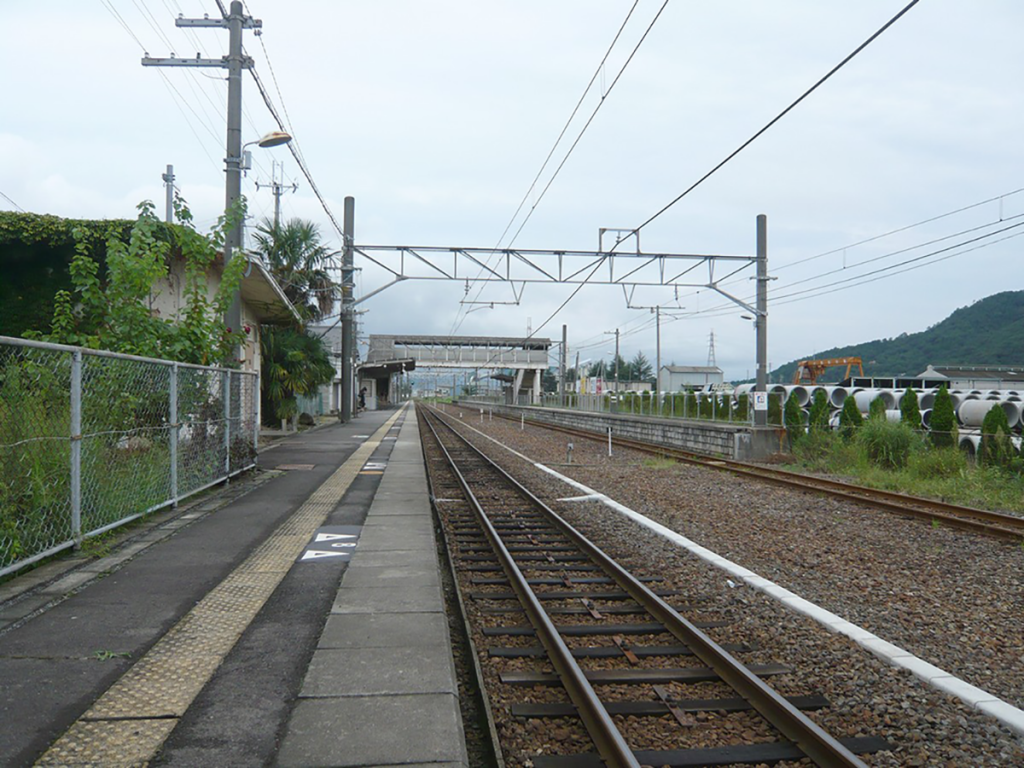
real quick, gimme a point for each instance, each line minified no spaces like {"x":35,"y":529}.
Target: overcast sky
{"x":437,"y":117}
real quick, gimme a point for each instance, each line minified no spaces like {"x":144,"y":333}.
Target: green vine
{"x":114,"y":313}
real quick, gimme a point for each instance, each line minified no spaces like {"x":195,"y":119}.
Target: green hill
{"x":988,"y":332}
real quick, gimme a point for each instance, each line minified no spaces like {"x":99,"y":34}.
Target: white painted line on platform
{"x":1007,"y":714}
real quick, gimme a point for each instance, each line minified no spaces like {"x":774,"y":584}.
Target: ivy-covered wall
{"x":35,"y":251}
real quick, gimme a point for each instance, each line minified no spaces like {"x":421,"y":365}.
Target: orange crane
{"x":808,"y":371}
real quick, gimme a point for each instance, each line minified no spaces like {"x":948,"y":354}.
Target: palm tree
{"x":294,"y":362}
{"x":298,"y":260}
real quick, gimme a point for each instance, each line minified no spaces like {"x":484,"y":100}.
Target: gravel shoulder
{"x":954,"y":599}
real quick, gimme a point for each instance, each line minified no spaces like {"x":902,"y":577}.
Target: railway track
{"x":937,"y":512}
{"x":606,"y":653}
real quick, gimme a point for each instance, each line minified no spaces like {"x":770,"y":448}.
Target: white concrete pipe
{"x":969,"y":444}
{"x":972,"y":412}
{"x":893,"y":416}
{"x":927,"y":400}
{"x":926,"y":418}
{"x":743,"y":389}
{"x":837,"y":396}
{"x":803,"y":397}
{"x":864,"y":398}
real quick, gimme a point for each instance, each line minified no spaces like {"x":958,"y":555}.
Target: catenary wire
{"x":782,"y":114}
{"x":551,"y":152}
{"x":583,"y":130}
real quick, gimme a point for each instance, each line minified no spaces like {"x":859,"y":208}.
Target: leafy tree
{"x":818,"y":421}
{"x":115,"y":315}
{"x":910,"y":412}
{"x":943,"y":420}
{"x":793,"y":415}
{"x":849,"y":418}
{"x":641,"y":368}
{"x":996,"y":448}
{"x":298,"y":260}
{"x":549,"y":380}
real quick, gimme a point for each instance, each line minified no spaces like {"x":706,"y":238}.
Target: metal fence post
{"x":76,"y":447}
{"x":227,"y":422}
{"x":255,"y":379}
{"x":173,"y":437}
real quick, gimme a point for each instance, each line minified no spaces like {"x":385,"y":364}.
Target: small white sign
{"x":333,"y":537}
{"x":316,"y":554}
{"x":760,"y":401}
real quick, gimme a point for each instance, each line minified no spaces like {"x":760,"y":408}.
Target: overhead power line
{"x":5,"y":197}
{"x":782,"y":114}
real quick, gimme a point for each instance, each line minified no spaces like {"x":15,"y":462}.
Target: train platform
{"x":245,"y":628}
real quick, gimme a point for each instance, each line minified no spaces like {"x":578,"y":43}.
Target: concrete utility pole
{"x":761,"y":318}
{"x":347,"y":316}
{"x":561,"y":367}
{"x":235,"y":21}
{"x":169,"y":187}
{"x":657,"y":364}
{"x":616,"y":360}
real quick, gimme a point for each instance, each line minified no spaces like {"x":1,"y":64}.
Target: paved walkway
{"x":381,"y":688}
{"x":201,"y":640}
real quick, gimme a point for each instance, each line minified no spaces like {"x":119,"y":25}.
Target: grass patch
{"x":939,"y":473}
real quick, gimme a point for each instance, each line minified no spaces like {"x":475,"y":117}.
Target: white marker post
{"x":609,"y":442}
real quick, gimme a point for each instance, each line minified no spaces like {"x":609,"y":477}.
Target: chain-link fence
{"x":91,"y":440}
{"x":706,"y":406}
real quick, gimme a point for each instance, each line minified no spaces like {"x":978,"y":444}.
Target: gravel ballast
{"x":953,"y":599}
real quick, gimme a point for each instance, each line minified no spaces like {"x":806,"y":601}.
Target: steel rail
{"x":817,"y":744}
{"x":610,"y":743}
{"x":968,"y":518}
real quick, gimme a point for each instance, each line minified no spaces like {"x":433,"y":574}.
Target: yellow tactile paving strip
{"x":127,"y":725}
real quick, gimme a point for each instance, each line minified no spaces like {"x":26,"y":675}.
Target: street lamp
{"x":233,"y":238}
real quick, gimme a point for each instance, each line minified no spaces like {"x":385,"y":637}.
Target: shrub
{"x":877,"y":409}
{"x":910,"y":411}
{"x":818,"y":421}
{"x":886,"y":443}
{"x":943,"y":422}
{"x":794,"y":417}
{"x":775,"y":409}
{"x":691,"y":406}
{"x":850,"y":419}
{"x":995,"y":449}
{"x":706,"y":409}
{"x":742,"y":410}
